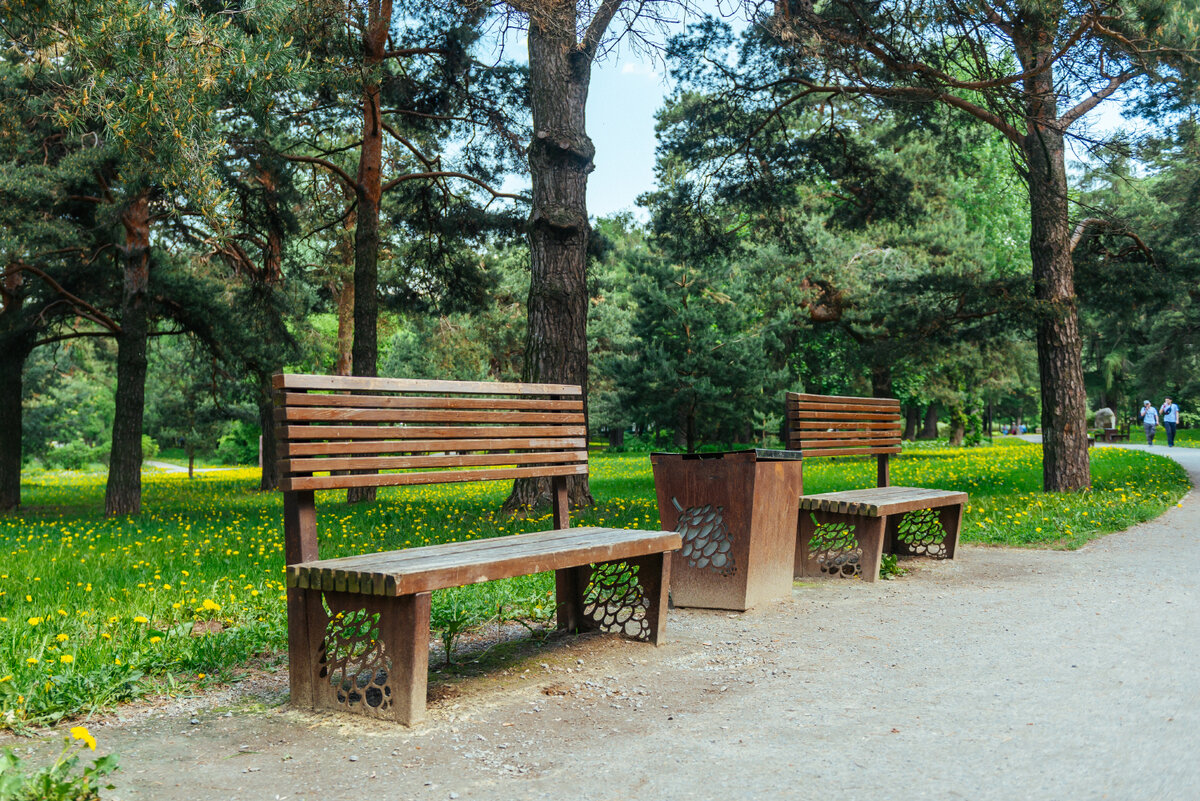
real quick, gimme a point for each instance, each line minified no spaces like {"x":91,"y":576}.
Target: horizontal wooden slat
{"x":428,"y":432}
{"x":797,"y":406}
{"x":815,"y":452}
{"x":857,"y":433}
{"x":806,"y":398}
{"x":837,"y":416}
{"x":295,"y":449}
{"x":463,"y":416}
{"x":842,"y":425}
{"x":351,"y":383}
{"x":317,"y":465}
{"x":425,"y":402}
{"x":809,"y":445}
{"x":439,"y":477}
{"x":455,"y":564}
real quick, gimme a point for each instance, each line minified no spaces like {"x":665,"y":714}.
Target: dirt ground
{"x":1004,"y":674}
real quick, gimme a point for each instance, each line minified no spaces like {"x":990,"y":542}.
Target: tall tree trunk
{"x":266,"y":421}
{"x":1065,"y":464}
{"x":560,"y":158}
{"x":365,"y":352}
{"x":957,"y":427}
{"x":881,"y":381}
{"x":344,"y":295}
{"x":12,"y":364}
{"x":929,"y":429}
{"x":123,"y":494}
{"x":911,"y":415}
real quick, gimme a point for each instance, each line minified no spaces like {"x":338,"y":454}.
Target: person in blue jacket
{"x":1170,"y":419}
{"x":1149,"y":418}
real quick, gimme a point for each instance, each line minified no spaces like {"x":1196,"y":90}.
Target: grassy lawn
{"x":96,"y":611}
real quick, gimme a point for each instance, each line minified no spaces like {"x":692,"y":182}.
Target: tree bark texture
{"x":123,"y":493}
{"x":344,"y":293}
{"x":12,"y":365}
{"x":369,"y":190}
{"x":929,"y":429}
{"x":881,"y":381}
{"x":266,"y":421}
{"x":560,"y":158}
{"x":1065,"y":465}
{"x":911,"y":415}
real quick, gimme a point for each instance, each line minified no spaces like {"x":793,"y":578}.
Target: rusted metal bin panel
{"x":736,"y":512}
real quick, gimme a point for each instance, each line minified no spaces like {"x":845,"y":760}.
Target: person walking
{"x":1149,"y":418}
{"x":1170,"y":419}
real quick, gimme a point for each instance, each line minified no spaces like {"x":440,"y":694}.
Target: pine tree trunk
{"x":881,"y":381}
{"x":929,"y":429}
{"x":365,"y":351}
{"x":957,"y":429}
{"x":12,"y":365}
{"x":266,"y":421}
{"x":344,"y":293}
{"x":123,"y":494}
{"x":1065,"y":464}
{"x":560,"y":158}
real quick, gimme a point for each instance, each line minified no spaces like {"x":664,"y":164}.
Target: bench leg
{"x":951,"y":519}
{"x":625,"y":597}
{"x":931,"y":532}
{"x":369,"y":654}
{"x":870,"y":539}
{"x":835,"y":544}
{"x":654,"y":571}
{"x":302,"y":650}
{"x":570,"y":586}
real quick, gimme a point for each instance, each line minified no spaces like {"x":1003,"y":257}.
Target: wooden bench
{"x":846,"y":533}
{"x":358,"y":626}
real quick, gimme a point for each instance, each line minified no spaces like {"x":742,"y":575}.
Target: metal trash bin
{"x":736,"y":512}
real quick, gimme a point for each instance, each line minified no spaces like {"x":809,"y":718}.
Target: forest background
{"x":195,"y":196}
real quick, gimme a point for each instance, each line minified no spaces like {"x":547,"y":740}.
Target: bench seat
{"x":880,"y":501}
{"x":454,"y":564}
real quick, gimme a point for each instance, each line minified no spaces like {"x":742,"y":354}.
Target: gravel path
{"x":1005,"y":674}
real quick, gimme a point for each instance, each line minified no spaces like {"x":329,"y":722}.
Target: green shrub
{"x":240,"y":445}
{"x":71,"y":456}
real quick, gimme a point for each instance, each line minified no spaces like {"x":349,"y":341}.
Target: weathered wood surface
{"x":834,"y":425}
{"x":346,"y":383}
{"x":439,"y":430}
{"x":414,"y":570}
{"x":881,"y":501}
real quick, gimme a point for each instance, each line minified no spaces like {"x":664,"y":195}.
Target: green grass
{"x":96,"y":611}
{"x":1187,"y":437}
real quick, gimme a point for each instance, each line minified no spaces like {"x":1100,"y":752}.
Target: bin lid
{"x":755,"y":454}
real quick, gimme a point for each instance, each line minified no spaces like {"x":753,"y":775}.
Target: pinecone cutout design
{"x":706,"y":540}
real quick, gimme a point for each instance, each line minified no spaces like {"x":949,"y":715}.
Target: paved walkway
{"x":1005,"y":674}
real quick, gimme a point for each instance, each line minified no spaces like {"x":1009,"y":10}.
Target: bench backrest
{"x":838,"y":425}
{"x":442,"y":431}
{"x":434,"y":431}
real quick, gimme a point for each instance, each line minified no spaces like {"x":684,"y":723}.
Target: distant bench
{"x":358,"y":626}
{"x":846,"y":533}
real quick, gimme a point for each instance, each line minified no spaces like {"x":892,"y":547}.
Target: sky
{"x":624,"y":97}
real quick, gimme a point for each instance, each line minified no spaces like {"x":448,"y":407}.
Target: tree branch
{"x":597,"y":27}
{"x":1089,"y":103}
{"x":444,"y":174}
{"x":329,"y":165}
{"x":92,"y":311}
